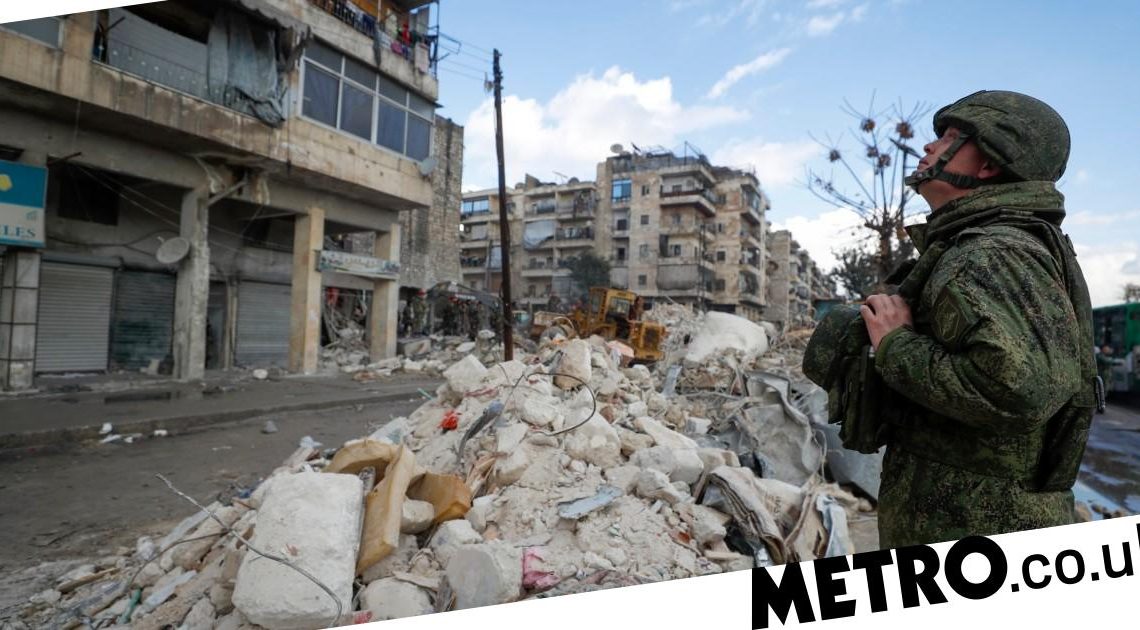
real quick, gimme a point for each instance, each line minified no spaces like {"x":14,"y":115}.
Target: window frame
{"x":343,"y":78}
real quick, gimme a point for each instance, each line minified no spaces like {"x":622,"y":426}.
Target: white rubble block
{"x":505,"y":374}
{"x":200,"y":617}
{"x":413,"y":367}
{"x":480,"y":512}
{"x":393,"y":363}
{"x":657,"y":402}
{"x":698,"y":426}
{"x":416,"y":516}
{"x":680,"y":464}
{"x":485,"y":575}
{"x":452,"y":535}
{"x":512,"y":467}
{"x":465,"y":375}
{"x":714,"y":458}
{"x":662,"y":435}
{"x":623,"y":477}
{"x":638,"y":409}
{"x":540,"y":411}
{"x":575,"y":362}
{"x":654,"y":484}
{"x":595,"y":442}
{"x":508,"y":438}
{"x":632,"y":441}
{"x":705,"y":524}
{"x":390,"y":598}
{"x":466,"y":347}
{"x":725,"y":331}
{"x":314,"y":519}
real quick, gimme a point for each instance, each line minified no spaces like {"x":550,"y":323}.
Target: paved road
{"x":92,"y":497}
{"x":1111,"y":467}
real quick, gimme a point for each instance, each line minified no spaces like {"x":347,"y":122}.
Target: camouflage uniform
{"x":995,"y":353}
{"x":997,"y":371}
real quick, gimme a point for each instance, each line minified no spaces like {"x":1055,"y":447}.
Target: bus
{"x":1116,"y":331}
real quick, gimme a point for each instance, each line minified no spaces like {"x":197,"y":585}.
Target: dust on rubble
{"x":562,"y":471}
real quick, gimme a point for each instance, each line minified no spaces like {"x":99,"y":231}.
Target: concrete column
{"x":192,"y":293}
{"x":382,"y":316}
{"x":305,"y":316}
{"x":19,"y":301}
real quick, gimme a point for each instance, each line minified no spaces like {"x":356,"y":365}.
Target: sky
{"x":752,"y":82}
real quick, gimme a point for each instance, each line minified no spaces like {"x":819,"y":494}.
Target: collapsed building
{"x":559,"y":472}
{"x":202,"y":162}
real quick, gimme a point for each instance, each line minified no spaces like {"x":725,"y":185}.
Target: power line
{"x":463,"y":65}
{"x":463,"y":74}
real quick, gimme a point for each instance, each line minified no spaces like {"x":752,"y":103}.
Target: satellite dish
{"x":173,"y":250}
{"x":427,"y":167}
{"x":616,"y":148}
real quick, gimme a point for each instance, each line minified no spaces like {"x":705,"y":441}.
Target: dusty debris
{"x":562,"y":471}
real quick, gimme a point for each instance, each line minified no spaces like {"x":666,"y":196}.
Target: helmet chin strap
{"x":937,"y":171}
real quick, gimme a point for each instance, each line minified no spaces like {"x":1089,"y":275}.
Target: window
{"x":721,"y":256}
{"x":645,"y":191}
{"x":475,"y":206}
{"x":720,"y":228}
{"x":644,"y":251}
{"x":642,"y":280}
{"x":676,"y":250}
{"x":45,"y":30}
{"x":645,"y":219}
{"x":85,"y":195}
{"x":676,"y":219}
{"x":720,"y":284}
{"x":622,"y":190}
{"x":621,"y":253}
{"x":344,"y":93}
{"x":622,"y":225}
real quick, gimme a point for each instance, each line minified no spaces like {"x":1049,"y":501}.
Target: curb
{"x":60,"y":437}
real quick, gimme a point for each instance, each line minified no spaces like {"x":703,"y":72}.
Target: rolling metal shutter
{"x":263,"y":324}
{"x":143,"y":325}
{"x":75,"y":318}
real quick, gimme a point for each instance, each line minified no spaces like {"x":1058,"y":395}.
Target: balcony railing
{"x":573,"y":234}
{"x":708,"y":194}
{"x":362,"y":22}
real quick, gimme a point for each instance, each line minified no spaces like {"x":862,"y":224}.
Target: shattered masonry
{"x":709,"y":462}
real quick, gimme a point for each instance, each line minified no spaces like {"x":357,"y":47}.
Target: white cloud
{"x":820,"y":236}
{"x":765,"y":61}
{"x":824,"y":24}
{"x":573,"y":131}
{"x":824,"y":4}
{"x":748,"y":10}
{"x":858,"y":13}
{"x":1108,"y":269}
{"x":1094,"y":218}
{"x":776,"y":163}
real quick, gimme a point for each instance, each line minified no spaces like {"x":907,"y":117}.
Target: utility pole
{"x":504,"y":226}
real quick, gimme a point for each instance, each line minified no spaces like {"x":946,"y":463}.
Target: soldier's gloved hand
{"x":884,"y":313}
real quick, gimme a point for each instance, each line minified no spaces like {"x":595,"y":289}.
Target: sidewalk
{"x":58,"y":418}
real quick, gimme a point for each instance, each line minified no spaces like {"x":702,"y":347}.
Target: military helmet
{"x":1025,"y":137}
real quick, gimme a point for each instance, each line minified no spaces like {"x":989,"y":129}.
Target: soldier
{"x":989,"y":337}
{"x":419,"y":312}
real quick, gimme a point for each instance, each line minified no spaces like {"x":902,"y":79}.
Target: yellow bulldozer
{"x":612,"y":314}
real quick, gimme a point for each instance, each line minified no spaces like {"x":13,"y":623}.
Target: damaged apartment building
{"x":672,"y":226}
{"x":181,"y":182}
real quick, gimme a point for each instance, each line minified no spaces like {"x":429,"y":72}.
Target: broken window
{"x":676,"y":250}
{"x":720,"y":256}
{"x":83,"y":194}
{"x":644,"y":251}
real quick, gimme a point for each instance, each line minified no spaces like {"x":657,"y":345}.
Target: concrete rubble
{"x":513,"y":481}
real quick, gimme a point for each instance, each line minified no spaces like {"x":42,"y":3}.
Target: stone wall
{"x":429,"y":249}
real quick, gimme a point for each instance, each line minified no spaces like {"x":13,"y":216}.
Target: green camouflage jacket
{"x":999,"y":355}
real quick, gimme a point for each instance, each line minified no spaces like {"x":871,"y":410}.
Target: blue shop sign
{"x":23,"y":189}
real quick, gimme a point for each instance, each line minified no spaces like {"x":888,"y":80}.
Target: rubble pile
{"x":424,"y":355}
{"x":557,"y":472}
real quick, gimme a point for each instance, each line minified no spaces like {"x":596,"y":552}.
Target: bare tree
{"x":1132,"y":292}
{"x":878,"y":195}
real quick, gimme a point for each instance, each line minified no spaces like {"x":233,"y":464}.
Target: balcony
{"x":571,"y":236}
{"x":544,"y":207}
{"x":621,"y":228}
{"x":703,"y":199}
{"x":684,"y":228}
{"x":619,"y":262}
{"x":537,"y":269}
{"x":415,"y":48}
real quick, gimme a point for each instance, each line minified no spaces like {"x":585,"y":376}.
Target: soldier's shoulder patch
{"x":952,"y":317}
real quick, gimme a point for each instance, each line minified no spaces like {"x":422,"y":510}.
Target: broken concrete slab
{"x":452,"y":535}
{"x":485,"y":575}
{"x":680,"y":464}
{"x":595,"y":442}
{"x":315,"y":518}
{"x":575,"y":364}
{"x":466,"y":375}
{"x":390,"y":598}
{"x":662,"y":435}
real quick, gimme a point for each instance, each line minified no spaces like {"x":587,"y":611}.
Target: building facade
{"x":673,"y":227}
{"x":196,"y":157}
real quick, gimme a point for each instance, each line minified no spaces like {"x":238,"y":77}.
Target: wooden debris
{"x":360,"y":454}
{"x":384,"y":509}
{"x":448,"y":493}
